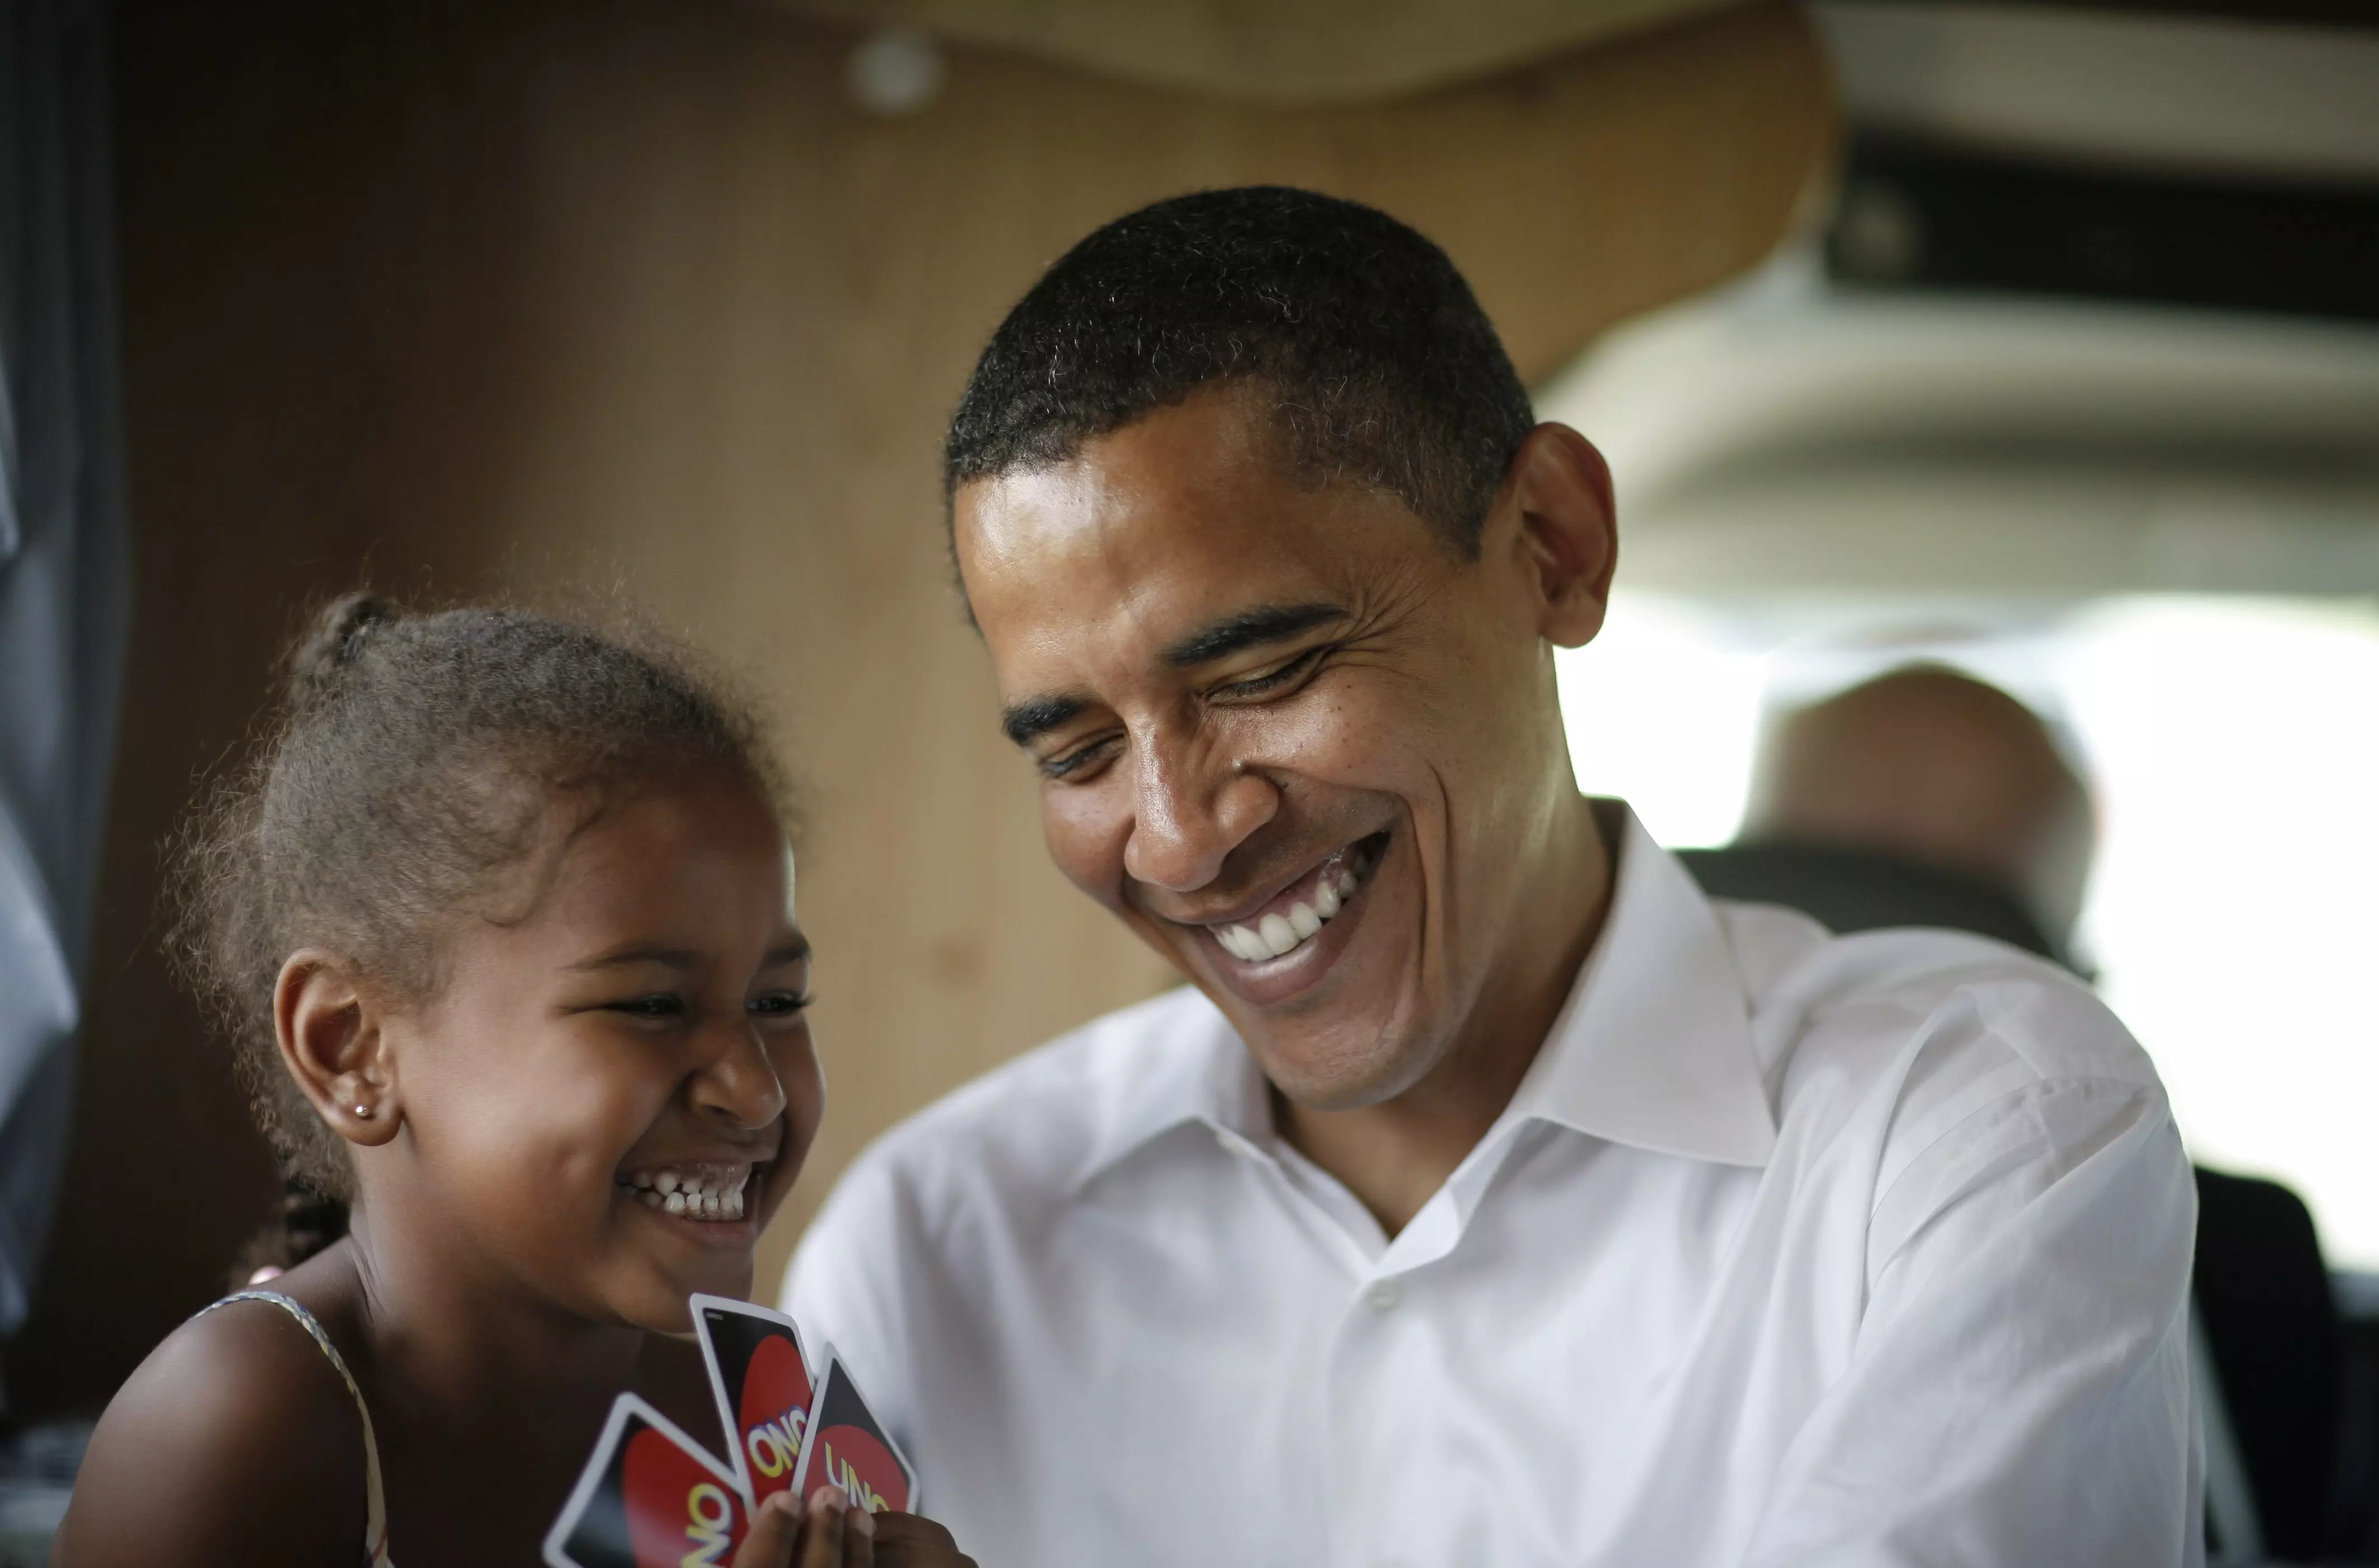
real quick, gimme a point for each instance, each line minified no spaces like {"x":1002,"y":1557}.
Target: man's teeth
{"x":702,"y":1197}
{"x":1277,"y":934}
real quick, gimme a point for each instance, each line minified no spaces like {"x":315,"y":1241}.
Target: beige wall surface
{"x":625,"y":299}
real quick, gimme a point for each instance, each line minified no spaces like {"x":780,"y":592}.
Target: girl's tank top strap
{"x":375,"y":1509}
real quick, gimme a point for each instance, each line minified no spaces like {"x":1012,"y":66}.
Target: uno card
{"x":848,"y":1448}
{"x":649,"y":1498}
{"x":762,"y":1383}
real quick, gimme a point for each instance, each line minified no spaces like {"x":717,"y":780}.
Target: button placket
{"x":1370,"y":1459}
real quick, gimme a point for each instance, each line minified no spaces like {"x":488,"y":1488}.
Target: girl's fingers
{"x":832,"y":1534}
{"x":859,"y":1539}
{"x":823,"y":1531}
{"x":769,"y":1542}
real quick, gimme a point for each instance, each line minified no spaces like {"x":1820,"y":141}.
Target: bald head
{"x":1937,"y":768}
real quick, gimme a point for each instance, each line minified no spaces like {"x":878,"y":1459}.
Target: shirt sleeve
{"x":2019,"y":1389}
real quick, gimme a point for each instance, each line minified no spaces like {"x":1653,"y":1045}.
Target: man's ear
{"x":1558,"y":488}
{"x":332,"y":1043}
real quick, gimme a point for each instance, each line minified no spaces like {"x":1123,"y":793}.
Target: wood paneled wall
{"x":593,"y":299}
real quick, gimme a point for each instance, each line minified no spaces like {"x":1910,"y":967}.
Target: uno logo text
{"x":854,"y":1484}
{"x":708,"y":1513}
{"x":773,"y":1445}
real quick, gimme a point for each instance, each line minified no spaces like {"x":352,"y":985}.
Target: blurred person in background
{"x":1925,"y":796}
{"x":1491,"y":1195}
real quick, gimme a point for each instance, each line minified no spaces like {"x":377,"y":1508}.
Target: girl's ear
{"x":331,"y":1041}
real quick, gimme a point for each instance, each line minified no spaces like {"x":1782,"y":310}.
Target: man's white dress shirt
{"x":1790,"y":1248}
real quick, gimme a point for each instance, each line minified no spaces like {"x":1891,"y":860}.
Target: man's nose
{"x":1190,"y":809}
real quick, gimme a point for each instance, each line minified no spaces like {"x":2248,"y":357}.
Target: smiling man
{"x":1490,"y":1196}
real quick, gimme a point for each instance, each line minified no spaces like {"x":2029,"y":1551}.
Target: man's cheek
{"x":1086,"y":841}
{"x":1354,"y":735}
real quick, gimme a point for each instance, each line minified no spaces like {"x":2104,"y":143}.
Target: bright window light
{"x":1663,"y":710}
{"x":2234,"y":916}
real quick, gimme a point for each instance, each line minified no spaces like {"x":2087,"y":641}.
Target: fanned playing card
{"x":848,"y":1448}
{"x":649,"y":1498}
{"x":762,"y":1383}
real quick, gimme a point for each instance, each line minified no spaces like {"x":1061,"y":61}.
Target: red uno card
{"x":848,"y":1448}
{"x":762,"y":1383}
{"x":649,"y":1498}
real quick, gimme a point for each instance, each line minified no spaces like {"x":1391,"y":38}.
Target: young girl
{"x":500,"y":924}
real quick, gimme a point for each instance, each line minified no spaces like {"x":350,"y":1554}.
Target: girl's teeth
{"x":689,"y":1195}
{"x":1325,"y":899}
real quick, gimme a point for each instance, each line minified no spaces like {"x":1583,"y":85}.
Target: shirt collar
{"x":1652,"y":1049}
{"x":1193,"y":1069}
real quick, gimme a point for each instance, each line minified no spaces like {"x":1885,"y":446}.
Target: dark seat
{"x":2262,"y":1290}
{"x":2271,"y":1325}
{"x":1847,"y":890}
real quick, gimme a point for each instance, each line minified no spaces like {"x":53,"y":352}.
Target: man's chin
{"x":1326,"y":1077}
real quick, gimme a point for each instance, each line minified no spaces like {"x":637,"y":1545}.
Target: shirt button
{"x":1385,"y":1296}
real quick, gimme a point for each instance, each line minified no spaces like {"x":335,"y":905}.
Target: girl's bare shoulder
{"x":236,"y":1442}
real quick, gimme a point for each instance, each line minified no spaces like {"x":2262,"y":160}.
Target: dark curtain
{"x":63,"y":586}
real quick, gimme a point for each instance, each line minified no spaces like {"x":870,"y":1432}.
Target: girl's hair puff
{"x":414,"y":761}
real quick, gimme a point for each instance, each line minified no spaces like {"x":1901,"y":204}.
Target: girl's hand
{"x":832,"y":1534}
{"x":912,"y":1540}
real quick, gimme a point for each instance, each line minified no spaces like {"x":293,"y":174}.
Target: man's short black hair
{"x":1380,"y":364}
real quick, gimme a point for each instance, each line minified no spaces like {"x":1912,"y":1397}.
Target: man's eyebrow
{"x":793,"y":952}
{"x":1022,"y":722}
{"x":1247,"y":629}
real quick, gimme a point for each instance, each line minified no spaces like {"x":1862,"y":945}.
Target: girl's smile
{"x":710,"y":1192}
